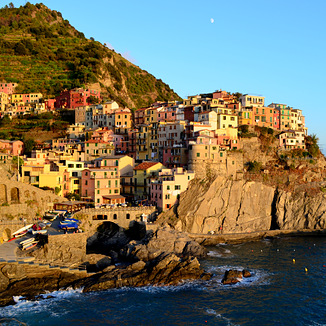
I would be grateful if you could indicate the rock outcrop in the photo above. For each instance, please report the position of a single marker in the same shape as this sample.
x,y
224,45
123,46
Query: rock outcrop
x,y
133,257
233,276
236,206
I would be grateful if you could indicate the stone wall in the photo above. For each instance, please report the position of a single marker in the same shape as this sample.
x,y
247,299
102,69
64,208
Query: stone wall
x,y
122,216
20,200
64,249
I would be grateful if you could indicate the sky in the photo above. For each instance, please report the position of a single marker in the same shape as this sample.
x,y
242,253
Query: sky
x,y
274,48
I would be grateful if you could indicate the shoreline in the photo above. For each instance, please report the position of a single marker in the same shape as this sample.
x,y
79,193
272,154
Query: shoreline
x,y
214,239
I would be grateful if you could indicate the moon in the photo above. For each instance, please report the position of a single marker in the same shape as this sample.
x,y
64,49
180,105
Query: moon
x,y
212,20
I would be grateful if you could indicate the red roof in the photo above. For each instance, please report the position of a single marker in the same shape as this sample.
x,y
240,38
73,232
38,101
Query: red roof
x,y
145,165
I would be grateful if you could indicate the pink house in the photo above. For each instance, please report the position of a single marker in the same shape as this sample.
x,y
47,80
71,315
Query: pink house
x,y
12,147
102,185
166,114
8,88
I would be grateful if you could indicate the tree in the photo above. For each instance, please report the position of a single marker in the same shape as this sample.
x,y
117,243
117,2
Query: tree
x,y
312,145
29,145
11,5
72,196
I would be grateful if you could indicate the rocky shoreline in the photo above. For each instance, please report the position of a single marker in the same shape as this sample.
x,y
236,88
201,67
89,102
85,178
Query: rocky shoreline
x,y
126,258
213,239
116,258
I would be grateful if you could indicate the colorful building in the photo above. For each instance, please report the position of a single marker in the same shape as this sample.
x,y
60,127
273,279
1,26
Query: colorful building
x,y
143,173
102,186
166,190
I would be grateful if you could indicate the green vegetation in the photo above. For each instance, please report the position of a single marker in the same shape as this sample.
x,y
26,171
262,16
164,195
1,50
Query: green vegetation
x,y
243,132
312,145
25,127
43,53
253,166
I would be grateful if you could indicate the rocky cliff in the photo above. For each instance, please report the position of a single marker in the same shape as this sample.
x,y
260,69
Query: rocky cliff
x,y
235,206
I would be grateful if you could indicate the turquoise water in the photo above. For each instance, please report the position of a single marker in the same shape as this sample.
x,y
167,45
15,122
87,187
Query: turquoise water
x,y
280,292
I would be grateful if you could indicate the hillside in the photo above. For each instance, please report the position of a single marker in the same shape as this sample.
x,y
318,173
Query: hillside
x,y
41,51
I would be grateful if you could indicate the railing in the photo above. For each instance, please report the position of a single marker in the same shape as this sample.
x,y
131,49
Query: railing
x,y
10,222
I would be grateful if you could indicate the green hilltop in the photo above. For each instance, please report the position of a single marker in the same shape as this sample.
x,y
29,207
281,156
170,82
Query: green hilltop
x,y
41,51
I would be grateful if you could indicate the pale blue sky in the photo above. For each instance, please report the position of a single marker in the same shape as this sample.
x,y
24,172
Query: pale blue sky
x,y
274,48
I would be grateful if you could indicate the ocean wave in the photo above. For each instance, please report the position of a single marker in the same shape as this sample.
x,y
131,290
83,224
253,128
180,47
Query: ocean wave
x,y
220,316
41,305
258,277
221,253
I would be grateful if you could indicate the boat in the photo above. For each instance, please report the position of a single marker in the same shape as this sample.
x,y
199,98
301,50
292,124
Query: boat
x,y
30,245
73,220
21,234
39,232
68,225
25,228
24,242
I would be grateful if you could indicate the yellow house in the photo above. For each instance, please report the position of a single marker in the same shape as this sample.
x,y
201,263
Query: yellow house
x,y
122,120
57,179
245,116
225,120
252,100
97,148
285,118
143,142
4,100
142,178
123,163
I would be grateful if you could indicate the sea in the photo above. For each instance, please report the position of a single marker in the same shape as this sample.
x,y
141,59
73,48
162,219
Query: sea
x,y
287,287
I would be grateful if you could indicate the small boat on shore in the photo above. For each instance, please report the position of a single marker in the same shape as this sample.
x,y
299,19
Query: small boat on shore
x,y
22,230
39,232
30,245
27,241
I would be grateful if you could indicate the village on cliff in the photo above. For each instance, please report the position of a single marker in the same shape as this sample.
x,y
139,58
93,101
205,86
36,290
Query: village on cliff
x,y
116,156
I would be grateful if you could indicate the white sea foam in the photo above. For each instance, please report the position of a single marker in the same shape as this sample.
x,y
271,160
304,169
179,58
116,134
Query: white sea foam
x,y
221,253
219,316
22,305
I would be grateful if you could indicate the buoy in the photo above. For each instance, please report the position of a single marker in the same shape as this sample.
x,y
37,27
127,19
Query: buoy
x,y
252,251
306,269
293,249
278,249
293,261
324,265
261,250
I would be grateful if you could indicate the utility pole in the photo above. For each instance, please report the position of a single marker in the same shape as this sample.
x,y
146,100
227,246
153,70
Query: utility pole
x,y
18,168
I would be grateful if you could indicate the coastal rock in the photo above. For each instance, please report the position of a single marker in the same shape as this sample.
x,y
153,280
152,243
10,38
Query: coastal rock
x,y
163,240
166,269
234,276
239,206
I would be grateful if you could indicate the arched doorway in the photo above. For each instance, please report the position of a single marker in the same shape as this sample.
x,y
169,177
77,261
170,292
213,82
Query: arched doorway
x,y
14,195
3,194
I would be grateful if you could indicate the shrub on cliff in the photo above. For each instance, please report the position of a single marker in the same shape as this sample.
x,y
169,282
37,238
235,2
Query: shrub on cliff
x,y
254,166
312,145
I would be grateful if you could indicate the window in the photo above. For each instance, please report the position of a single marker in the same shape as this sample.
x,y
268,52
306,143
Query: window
x,y
198,154
115,216
177,187
167,196
128,216
167,187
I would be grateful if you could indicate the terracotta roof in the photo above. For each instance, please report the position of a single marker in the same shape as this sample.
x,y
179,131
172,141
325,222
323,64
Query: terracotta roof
x,y
145,165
